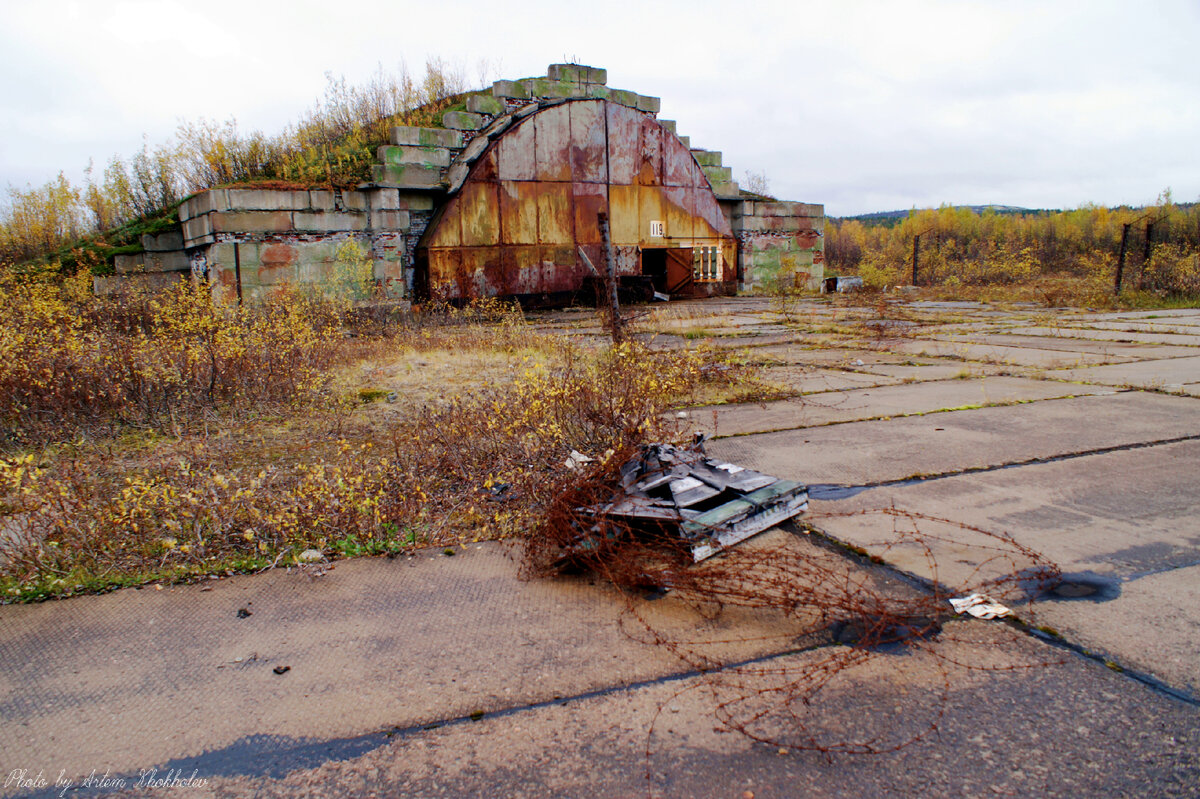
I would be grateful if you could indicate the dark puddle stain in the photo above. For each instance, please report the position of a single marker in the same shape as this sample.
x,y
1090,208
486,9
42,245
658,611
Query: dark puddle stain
x,y
1087,586
831,492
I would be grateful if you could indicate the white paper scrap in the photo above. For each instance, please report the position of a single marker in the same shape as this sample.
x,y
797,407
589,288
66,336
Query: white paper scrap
x,y
980,606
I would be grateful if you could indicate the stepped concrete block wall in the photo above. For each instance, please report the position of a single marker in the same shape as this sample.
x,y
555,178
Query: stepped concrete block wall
x,y
781,245
260,241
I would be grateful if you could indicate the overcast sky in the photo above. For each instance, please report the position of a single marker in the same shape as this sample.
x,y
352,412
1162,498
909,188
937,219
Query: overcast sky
x,y
862,106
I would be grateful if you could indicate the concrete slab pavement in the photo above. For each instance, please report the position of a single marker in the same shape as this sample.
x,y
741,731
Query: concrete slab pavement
x,y
997,353
1053,729
907,399
448,676
138,677
857,453
1123,522
1169,375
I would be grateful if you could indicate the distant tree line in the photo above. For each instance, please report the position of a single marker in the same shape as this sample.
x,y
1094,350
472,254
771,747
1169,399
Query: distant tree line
x,y
1154,248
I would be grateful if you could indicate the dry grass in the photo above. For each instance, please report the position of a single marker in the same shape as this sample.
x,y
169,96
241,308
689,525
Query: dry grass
x,y
432,428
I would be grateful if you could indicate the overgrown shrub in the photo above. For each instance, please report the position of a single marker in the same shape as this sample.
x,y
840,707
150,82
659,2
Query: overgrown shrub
x,y
69,364
474,464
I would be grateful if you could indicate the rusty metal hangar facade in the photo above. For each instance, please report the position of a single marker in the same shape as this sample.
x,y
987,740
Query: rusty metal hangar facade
x,y
531,202
504,200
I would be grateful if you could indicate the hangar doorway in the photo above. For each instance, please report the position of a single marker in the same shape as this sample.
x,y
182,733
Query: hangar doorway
x,y
669,268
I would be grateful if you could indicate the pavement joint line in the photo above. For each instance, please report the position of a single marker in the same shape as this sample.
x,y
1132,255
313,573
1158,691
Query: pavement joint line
x,y
240,759
1016,623
903,481
912,414
1163,570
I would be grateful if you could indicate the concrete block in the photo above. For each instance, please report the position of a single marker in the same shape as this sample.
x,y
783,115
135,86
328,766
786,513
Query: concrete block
x,y
707,157
427,156
791,209
427,137
320,200
669,124
648,104
153,282
544,87
406,175
127,264
718,174
354,201
483,104
730,189
687,140
461,120
510,88
163,242
624,98
456,176
327,220
389,220
266,200
383,199
174,261
251,221
598,91
197,227
498,126
570,73
414,202
576,73
474,149
203,203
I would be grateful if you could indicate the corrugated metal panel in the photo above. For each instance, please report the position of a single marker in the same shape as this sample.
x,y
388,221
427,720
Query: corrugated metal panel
x,y
515,152
589,155
678,207
555,220
624,125
518,212
624,213
551,144
590,199
533,197
650,171
479,207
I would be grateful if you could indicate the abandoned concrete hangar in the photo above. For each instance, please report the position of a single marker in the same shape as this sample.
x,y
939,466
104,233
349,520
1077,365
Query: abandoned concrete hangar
x,y
504,201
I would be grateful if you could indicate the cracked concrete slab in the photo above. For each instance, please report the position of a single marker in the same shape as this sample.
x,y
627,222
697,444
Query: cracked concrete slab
x,y
813,379
1057,728
138,677
882,401
1066,343
1124,521
997,353
1170,374
1168,339
863,452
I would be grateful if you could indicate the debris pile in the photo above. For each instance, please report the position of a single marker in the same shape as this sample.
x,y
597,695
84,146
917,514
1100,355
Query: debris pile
x,y
710,504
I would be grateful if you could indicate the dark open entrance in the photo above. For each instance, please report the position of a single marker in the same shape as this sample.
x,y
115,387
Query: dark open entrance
x,y
669,268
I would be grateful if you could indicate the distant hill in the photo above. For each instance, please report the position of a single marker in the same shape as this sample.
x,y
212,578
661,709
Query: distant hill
x,y
890,218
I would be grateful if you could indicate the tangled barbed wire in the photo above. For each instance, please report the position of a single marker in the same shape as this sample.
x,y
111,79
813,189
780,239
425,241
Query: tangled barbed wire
x,y
795,638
